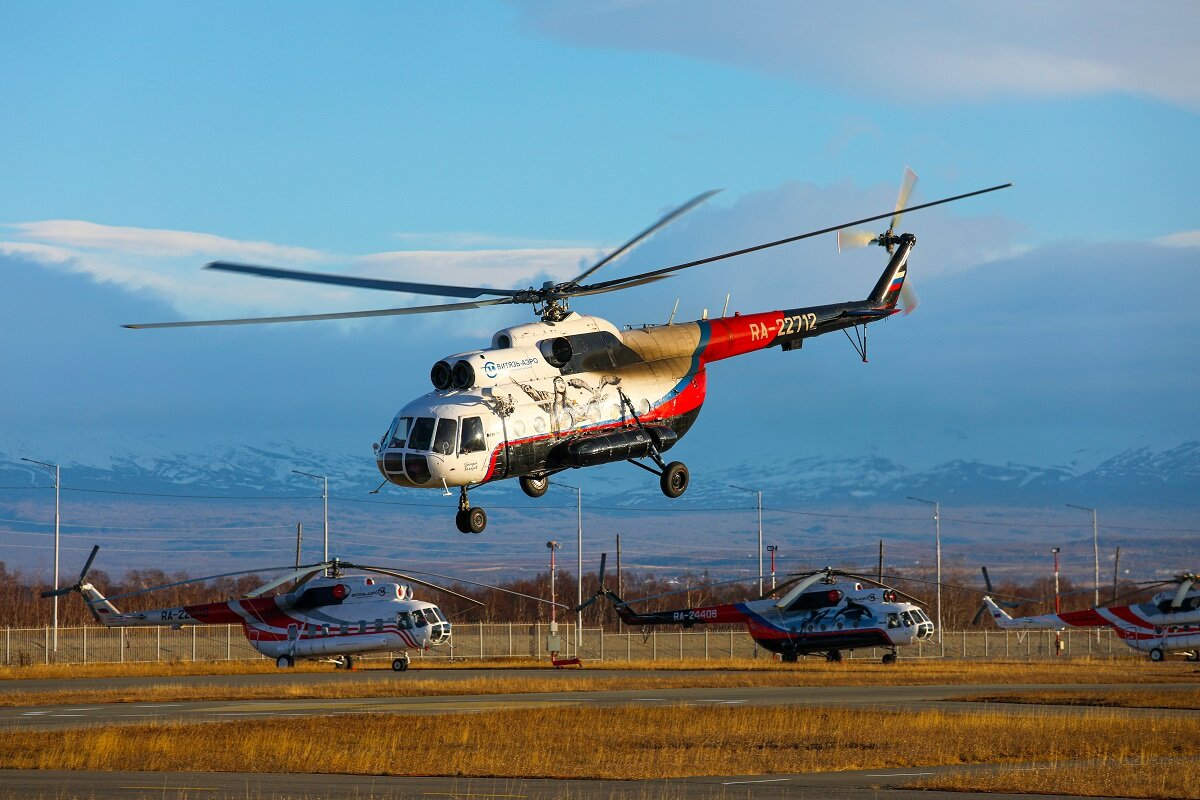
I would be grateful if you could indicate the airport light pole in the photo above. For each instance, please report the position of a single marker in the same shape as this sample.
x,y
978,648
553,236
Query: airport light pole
x,y
1095,550
54,468
579,564
325,498
758,494
772,549
937,537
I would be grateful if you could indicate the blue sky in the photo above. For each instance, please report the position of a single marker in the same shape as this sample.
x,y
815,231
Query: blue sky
x,y
504,143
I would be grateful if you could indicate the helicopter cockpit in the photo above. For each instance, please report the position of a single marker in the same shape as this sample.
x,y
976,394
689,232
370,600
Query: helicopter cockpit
x,y
418,449
429,617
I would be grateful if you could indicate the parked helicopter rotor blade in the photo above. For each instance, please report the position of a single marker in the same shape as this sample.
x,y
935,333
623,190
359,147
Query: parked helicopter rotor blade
x,y
408,287
636,240
383,312
695,588
62,590
410,573
202,580
979,614
303,573
87,565
790,239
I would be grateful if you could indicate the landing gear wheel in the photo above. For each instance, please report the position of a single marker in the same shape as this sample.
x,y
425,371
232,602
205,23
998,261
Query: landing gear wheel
x,y
889,658
1156,654
534,487
285,662
674,480
1194,655
834,656
400,664
473,520
789,658
347,662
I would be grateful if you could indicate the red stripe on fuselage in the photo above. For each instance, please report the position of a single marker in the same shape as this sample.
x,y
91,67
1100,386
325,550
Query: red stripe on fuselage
x,y
1088,618
735,336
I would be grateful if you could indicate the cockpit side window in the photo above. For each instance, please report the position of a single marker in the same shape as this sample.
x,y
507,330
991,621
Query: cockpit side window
x,y
422,434
419,618
893,620
473,440
398,435
447,436
404,620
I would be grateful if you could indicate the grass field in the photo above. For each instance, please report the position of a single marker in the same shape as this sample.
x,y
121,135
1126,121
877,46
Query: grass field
x,y
654,742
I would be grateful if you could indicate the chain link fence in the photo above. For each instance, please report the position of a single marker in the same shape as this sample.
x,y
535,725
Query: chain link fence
x,y
478,641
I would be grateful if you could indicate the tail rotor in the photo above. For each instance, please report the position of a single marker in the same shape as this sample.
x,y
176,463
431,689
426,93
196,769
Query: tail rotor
x,y
847,240
78,586
600,590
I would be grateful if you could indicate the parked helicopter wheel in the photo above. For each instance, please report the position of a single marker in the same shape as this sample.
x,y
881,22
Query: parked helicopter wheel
x,y
889,658
1156,654
1194,655
347,662
534,487
285,662
400,664
674,480
789,658
834,656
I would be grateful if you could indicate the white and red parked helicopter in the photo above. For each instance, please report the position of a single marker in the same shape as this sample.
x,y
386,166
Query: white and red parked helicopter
x,y
1170,622
816,613
572,390
328,615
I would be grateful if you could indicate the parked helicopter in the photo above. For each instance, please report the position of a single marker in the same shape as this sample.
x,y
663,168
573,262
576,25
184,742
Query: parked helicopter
x,y
327,615
572,390
1170,622
837,615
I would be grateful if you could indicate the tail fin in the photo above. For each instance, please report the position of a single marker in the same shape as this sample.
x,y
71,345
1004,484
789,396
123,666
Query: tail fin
x,y
97,603
1001,616
887,290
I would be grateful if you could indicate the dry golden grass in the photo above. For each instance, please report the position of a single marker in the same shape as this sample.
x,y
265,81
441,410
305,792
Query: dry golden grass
x,y
1115,698
1142,778
615,743
798,675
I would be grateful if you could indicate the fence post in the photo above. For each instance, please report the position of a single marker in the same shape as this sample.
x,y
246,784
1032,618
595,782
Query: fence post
x,y
121,644
681,645
47,647
7,645
985,643
510,650
731,644
158,644
601,641
653,645
706,644
85,644
228,642
193,643
481,641
964,633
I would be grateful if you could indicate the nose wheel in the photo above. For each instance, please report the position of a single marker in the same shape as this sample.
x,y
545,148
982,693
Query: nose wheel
x,y
469,519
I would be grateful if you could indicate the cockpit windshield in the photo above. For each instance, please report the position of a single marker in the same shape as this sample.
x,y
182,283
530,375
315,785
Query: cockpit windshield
x,y
398,434
446,438
422,434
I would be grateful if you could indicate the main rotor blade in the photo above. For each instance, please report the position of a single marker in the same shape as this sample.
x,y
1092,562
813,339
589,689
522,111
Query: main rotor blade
x,y
383,312
790,239
612,286
206,578
460,580
408,287
662,223
420,582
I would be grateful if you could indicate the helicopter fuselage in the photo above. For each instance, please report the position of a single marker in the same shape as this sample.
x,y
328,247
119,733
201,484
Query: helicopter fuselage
x,y
325,616
577,392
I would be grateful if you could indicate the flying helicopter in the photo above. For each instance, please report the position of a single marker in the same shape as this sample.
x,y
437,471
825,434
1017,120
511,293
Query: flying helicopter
x,y
822,612
1170,622
572,390
328,615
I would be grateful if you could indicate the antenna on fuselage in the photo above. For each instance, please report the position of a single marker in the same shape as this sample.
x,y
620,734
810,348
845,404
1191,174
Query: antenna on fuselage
x,y
673,310
725,310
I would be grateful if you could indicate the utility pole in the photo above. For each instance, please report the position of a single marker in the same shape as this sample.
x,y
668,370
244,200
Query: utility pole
x,y
325,498
1116,572
1095,548
299,539
54,468
937,535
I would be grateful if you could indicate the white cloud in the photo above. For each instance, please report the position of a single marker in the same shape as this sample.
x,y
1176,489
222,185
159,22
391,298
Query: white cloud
x,y
155,242
924,52
1181,239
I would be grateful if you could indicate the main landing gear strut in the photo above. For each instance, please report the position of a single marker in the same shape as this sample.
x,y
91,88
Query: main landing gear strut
x,y
468,519
673,478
